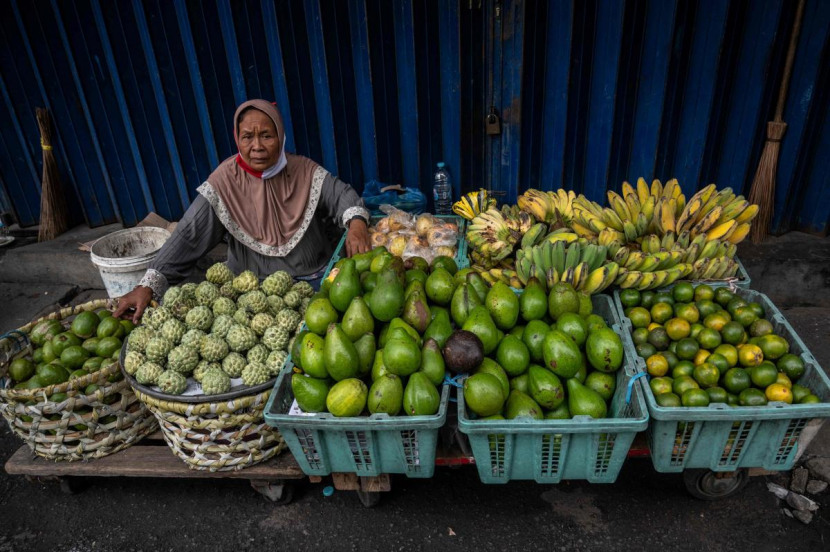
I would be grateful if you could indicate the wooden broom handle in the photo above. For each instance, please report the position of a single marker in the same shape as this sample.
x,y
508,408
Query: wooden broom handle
x,y
788,65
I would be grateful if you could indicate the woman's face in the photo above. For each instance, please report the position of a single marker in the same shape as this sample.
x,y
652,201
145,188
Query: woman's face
x,y
259,144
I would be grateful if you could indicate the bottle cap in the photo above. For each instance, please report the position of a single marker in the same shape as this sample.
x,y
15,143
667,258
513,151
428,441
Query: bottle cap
x,y
440,164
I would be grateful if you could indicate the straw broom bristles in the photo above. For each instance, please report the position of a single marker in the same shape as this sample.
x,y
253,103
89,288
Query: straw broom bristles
x,y
762,192
54,216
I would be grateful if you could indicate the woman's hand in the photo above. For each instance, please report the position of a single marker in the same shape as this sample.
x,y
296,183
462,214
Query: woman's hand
x,y
357,240
137,299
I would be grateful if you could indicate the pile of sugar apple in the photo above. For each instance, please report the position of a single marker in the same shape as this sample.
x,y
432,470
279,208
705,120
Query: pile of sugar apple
x,y
225,327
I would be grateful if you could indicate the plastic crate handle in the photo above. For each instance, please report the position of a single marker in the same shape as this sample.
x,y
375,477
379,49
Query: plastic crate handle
x,y
455,381
633,379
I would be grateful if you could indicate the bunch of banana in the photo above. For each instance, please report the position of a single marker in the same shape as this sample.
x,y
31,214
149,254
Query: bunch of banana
x,y
493,234
718,215
552,262
548,207
472,204
638,279
716,268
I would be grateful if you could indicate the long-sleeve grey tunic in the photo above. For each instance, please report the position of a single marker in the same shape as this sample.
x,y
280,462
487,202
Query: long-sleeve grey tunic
x,y
206,223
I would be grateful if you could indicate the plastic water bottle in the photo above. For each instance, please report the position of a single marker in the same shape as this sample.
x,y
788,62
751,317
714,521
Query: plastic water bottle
x,y
442,191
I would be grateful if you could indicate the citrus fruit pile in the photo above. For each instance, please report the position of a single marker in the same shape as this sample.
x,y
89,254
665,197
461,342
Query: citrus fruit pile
x,y
705,345
90,342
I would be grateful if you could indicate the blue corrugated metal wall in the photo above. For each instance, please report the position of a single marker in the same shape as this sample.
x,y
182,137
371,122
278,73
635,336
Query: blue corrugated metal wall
x,y
589,93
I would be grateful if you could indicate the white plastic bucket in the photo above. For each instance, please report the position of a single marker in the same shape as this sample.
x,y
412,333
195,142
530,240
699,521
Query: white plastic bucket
x,y
123,257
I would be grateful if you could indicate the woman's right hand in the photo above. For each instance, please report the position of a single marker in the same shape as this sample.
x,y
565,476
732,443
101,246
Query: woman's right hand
x,y
137,299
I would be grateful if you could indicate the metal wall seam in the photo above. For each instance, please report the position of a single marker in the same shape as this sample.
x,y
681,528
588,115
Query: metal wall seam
x,y
361,59
810,61
648,114
161,103
322,95
231,50
407,92
493,66
196,81
513,19
449,33
555,99
17,195
90,218
85,108
103,35
272,38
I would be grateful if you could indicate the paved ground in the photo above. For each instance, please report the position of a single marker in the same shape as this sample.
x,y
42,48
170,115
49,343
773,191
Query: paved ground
x,y
454,510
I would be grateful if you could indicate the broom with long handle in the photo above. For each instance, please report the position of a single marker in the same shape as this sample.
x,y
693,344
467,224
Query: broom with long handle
x,y
54,216
763,186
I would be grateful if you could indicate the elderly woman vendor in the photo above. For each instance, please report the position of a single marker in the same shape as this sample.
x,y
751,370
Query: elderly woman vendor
x,y
273,206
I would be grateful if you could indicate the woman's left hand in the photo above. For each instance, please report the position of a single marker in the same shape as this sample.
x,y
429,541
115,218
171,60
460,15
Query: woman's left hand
x,y
357,240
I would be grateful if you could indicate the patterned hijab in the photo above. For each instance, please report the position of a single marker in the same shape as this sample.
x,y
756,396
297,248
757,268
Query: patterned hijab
x,y
270,210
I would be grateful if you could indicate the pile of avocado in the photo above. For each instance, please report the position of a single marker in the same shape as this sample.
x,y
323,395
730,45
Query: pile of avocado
x,y
547,355
91,342
703,345
374,336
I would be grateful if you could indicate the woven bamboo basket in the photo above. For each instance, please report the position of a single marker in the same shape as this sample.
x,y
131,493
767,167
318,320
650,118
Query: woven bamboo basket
x,y
81,427
217,436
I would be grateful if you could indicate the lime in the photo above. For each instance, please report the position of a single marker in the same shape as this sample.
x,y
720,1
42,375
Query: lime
x,y
687,348
21,369
645,350
695,398
639,336
661,312
709,339
630,298
760,327
659,338
640,317
791,365
704,292
763,375
723,296
668,400
657,365
779,393
683,384
683,368
706,375
647,299
660,385
717,395
736,380
752,397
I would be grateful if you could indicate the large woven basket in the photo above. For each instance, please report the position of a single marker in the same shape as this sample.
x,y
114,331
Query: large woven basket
x,y
58,439
217,436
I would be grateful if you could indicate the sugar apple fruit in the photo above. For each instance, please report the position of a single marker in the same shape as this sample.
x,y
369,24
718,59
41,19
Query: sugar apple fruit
x,y
288,320
261,322
304,305
303,288
148,373
292,299
255,374
182,359
181,306
193,338
219,274
138,338
257,354
172,383
275,338
277,283
233,364
203,366
157,317
275,304
200,317
206,294
157,350
240,338
221,325
227,290
245,282
223,305
172,295
189,290
275,362
173,330
242,317
254,301
215,382
133,361
213,348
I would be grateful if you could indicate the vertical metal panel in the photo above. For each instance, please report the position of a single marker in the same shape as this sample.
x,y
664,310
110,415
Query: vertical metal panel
x,y
361,58
272,35
321,83
225,14
449,37
407,92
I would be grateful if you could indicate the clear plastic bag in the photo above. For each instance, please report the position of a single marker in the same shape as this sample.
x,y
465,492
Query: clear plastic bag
x,y
418,247
443,235
398,220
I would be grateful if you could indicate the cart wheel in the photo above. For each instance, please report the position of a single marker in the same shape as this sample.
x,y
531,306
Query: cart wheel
x,y
72,485
709,485
368,498
276,492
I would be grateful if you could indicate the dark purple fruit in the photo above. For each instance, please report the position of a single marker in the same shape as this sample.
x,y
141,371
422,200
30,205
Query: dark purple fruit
x,y
463,352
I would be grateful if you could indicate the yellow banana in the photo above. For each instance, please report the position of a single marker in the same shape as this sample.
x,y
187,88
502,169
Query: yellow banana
x,y
708,220
642,190
580,275
594,281
667,215
648,207
629,280
739,233
721,230
646,282
747,215
628,189
656,188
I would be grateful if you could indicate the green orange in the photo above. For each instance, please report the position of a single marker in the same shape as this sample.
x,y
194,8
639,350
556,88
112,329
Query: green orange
x,y
660,385
760,328
745,315
763,375
683,368
729,352
732,333
736,380
791,365
780,393
671,358
683,384
657,366
678,328
683,292
695,398
661,312
640,317
773,346
750,355
659,338
706,375
663,297
719,361
717,320
752,397
759,310
701,357
734,304
706,307
723,296
668,400
639,335
687,348
709,339
645,350
647,299
704,292
717,395
630,297
688,312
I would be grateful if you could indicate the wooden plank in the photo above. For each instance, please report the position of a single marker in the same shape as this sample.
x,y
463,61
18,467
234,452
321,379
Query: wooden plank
x,y
146,461
345,481
379,484
315,479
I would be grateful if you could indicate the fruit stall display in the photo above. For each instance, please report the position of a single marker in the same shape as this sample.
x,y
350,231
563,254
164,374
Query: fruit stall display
x,y
552,399
63,392
650,235
731,384
224,334
363,394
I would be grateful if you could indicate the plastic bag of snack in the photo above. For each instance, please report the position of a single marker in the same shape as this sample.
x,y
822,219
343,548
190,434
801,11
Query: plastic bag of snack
x,y
418,247
423,224
443,235
396,219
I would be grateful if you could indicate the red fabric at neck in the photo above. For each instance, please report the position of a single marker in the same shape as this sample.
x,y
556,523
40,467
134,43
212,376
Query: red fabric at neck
x,y
247,168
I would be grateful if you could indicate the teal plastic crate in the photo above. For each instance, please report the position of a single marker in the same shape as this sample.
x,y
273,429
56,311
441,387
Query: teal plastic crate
x,y
549,451
460,253
365,445
724,438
